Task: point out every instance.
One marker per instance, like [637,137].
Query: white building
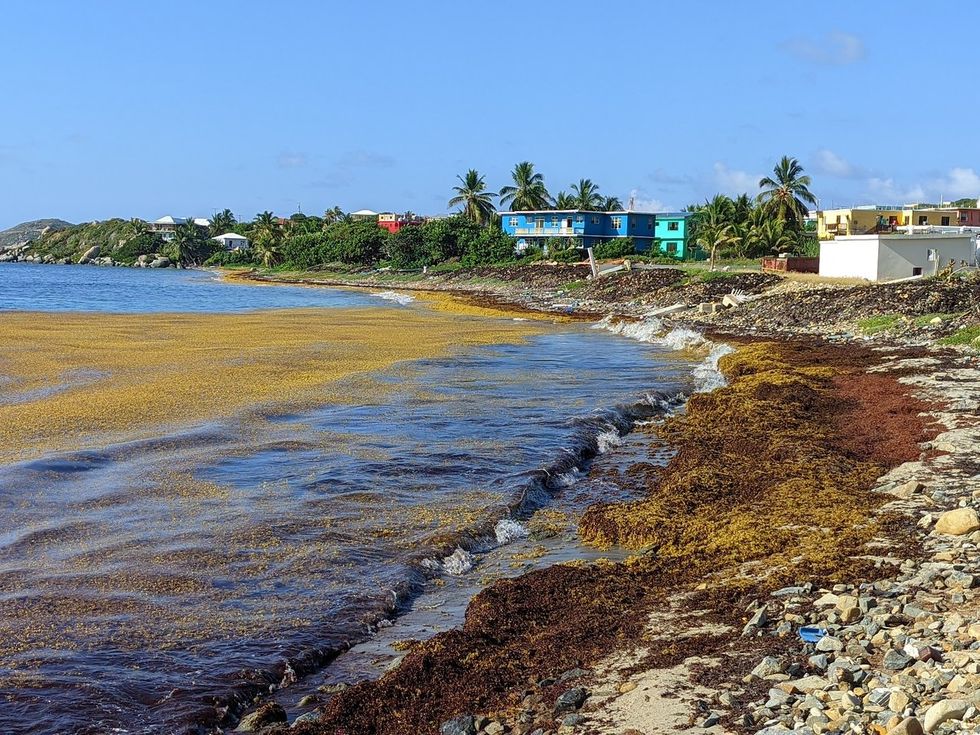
[891,257]
[232,241]
[167,225]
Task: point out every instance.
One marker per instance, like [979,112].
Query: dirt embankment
[771,484]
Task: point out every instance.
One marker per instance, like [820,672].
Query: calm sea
[177,578]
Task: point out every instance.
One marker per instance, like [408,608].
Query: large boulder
[958,522]
[92,252]
[161,262]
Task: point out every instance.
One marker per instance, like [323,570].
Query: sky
[140,109]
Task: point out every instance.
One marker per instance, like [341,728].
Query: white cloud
[732,181]
[835,48]
[831,164]
[644,203]
[958,183]
[886,191]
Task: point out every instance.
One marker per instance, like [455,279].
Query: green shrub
[568,255]
[232,258]
[407,248]
[616,248]
[490,245]
[145,244]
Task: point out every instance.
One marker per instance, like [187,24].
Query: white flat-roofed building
[893,257]
[232,241]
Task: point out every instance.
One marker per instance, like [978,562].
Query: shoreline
[601,696]
[429,681]
[698,618]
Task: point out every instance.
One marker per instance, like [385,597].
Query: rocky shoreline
[732,662]
[886,639]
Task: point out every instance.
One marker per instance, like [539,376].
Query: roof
[364,213]
[509,213]
[168,220]
[202,221]
[230,236]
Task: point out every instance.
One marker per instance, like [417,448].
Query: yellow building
[932,216]
[873,220]
[857,221]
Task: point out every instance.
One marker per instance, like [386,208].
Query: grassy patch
[963,336]
[876,324]
[575,285]
[923,321]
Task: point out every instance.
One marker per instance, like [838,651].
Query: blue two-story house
[589,229]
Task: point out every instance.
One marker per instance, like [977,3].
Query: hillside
[27,231]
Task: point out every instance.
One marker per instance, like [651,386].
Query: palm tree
[139,226]
[528,191]
[612,204]
[587,195]
[266,247]
[772,236]
[743,207]
[334,214]
[222,222]
[715,238]
[715,229]
[473,196]
[265,220]
[787,193]
[564,200]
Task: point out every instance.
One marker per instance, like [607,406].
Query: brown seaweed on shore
[771,484]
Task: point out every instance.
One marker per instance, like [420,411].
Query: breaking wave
[399,298]
[706,375]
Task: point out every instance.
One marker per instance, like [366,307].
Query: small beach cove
[213,500]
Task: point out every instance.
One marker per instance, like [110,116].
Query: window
[617,222]
[923,219]
[672,248]
[649,223]
[539,223]
[554,221]
[579,218]
[595,219]
[963,218]
[944,221]
[916,271]
[513,221]
[673,226]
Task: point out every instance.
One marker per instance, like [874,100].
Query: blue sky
[141,109]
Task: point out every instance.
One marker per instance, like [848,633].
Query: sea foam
[399,298]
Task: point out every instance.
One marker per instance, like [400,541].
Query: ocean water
[30,287]
[155,587]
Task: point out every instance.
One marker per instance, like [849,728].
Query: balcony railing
[551,231]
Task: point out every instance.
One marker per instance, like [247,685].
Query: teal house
[588,229]
[672,232]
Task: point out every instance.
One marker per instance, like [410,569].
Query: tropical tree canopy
[586,195]
[612,204]
[787,192]
[473,197]
[222,222]
[334,214]
[564,200]
[528,190]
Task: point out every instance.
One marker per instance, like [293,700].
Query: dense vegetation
[775,222]
[743,227]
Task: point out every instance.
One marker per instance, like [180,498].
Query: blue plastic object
[811,634]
